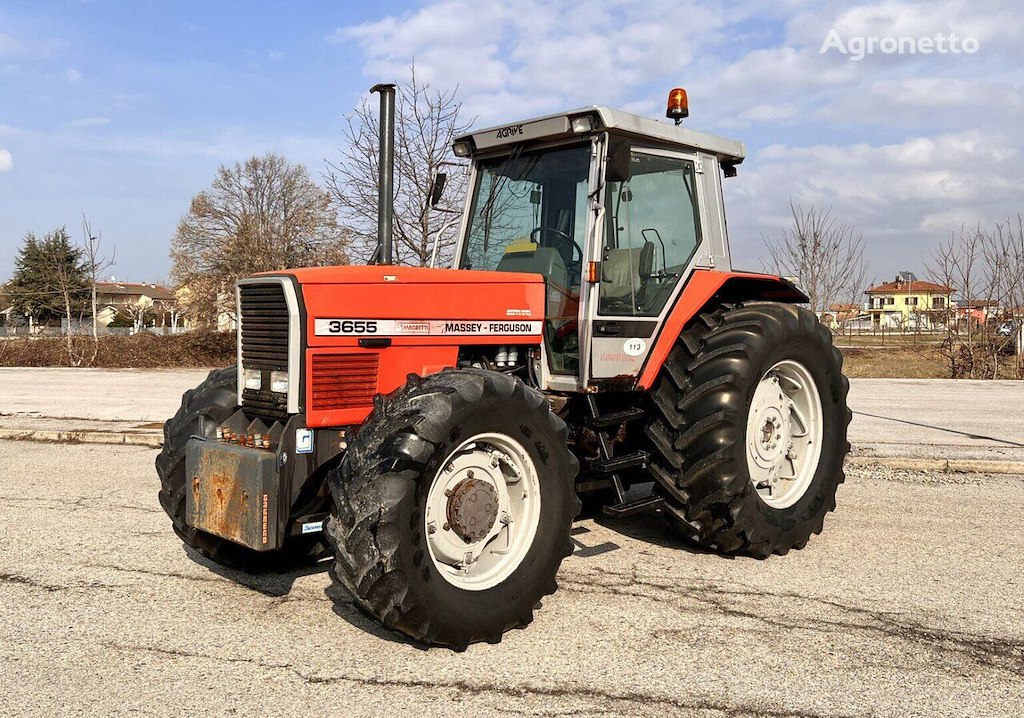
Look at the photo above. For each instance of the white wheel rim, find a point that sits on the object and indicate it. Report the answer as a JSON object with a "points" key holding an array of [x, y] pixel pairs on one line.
{"points": [[473, 544], [784, 434]]}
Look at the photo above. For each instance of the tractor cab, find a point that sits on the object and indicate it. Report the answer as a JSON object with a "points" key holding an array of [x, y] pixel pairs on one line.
{"points": [[614, 210]]}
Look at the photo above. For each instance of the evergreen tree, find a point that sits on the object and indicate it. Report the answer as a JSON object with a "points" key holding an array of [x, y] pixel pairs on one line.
{"points": [[50, 279]]}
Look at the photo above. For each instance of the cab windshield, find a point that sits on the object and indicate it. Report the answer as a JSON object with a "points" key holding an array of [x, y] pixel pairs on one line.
{"points": [[530, 203]]}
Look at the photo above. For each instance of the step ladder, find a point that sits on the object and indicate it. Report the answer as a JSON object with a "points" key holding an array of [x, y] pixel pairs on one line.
{"points": [[608, 465]]}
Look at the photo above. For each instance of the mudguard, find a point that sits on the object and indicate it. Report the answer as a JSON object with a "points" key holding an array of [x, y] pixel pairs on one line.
{"points": [[708, 288]]}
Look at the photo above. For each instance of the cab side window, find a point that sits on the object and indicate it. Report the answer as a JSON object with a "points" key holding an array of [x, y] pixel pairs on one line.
{"points": [[652, 232]]}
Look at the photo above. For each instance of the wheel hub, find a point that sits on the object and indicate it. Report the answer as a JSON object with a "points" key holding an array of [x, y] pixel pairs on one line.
{"points": [[482, 511], [472, 509], [771, 438]]}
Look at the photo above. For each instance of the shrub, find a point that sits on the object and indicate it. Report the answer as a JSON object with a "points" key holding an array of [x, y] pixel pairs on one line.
{"points": [[145, 351]]}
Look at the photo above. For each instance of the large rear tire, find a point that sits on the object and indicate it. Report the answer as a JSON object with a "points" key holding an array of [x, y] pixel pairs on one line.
{"points": [[202, 410], [748, 429], [452, 507]]}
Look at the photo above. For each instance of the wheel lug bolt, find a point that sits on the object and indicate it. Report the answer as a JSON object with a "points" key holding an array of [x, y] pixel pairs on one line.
{"points": [[446, 527]]}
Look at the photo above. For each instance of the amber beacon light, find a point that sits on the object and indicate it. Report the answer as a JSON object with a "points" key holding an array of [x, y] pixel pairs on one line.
{"points": [[677, 105]]}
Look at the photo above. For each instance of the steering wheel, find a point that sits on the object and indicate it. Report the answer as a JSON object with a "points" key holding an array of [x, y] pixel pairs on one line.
{"points": [[576, 252]]}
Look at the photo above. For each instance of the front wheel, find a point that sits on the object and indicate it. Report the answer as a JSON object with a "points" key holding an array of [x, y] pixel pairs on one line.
{"points": [[453, 507], [748, 428]]}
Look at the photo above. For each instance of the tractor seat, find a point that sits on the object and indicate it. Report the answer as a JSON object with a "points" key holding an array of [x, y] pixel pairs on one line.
{"points": [[625, 271], [525, 256]]}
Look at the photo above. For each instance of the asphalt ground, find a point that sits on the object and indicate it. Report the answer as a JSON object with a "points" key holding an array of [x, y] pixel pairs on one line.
{"points": [[908, 604]]}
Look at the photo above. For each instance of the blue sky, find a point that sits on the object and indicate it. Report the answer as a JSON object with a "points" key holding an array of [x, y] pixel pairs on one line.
{"points": [[124, 110]]}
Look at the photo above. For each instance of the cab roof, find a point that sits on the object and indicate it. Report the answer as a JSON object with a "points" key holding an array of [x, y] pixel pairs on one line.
{"points": [[604, 118]]}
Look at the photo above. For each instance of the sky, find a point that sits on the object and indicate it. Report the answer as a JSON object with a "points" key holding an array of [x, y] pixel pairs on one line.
{"points": [[124, 110]]}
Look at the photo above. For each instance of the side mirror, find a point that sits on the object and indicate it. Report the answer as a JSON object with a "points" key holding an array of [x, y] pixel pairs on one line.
{"points": [[437, 188], [618, 167]]}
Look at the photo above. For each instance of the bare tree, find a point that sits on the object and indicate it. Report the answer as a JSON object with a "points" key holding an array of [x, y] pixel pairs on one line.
{"points": [[986, 269], [168, 309], [264, 215], [95, 264], [825, 257], [426, 124], [138, 312], [1004, 260]]}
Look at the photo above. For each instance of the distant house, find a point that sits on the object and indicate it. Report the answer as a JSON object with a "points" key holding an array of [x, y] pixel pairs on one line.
{"points": [[145, 305], [5, 305], [909, 303], [840, 314], [978, 311]]}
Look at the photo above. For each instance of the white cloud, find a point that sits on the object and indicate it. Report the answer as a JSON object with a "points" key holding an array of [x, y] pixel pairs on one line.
{"points": [[533, 55], [89, 122], [72, 75], [906, 147], [6, 163], [904, 197]]}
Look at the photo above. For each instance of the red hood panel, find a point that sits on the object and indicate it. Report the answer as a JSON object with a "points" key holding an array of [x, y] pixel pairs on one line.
{"points": [[373, 274]]}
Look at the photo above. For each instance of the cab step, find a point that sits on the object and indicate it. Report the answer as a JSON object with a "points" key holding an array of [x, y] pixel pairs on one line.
{"points": [[637, 506], [620, 463], [615, 418]]}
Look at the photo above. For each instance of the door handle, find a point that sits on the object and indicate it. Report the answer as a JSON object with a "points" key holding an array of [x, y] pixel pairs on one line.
{"points": [[609, 329]]}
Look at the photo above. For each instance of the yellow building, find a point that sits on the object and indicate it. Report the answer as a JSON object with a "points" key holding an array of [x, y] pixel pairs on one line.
{"points": [[908, 303]]}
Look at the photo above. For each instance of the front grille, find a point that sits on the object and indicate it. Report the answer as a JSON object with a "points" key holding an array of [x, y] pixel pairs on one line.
{"points": [[265, 404], [344, 381], [263, 327]]}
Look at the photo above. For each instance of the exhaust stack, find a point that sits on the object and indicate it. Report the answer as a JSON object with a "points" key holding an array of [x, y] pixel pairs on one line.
{"points": [[386, 172]]}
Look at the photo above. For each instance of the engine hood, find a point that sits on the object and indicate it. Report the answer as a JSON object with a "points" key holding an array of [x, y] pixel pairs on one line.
{"points": [[391, 274]]}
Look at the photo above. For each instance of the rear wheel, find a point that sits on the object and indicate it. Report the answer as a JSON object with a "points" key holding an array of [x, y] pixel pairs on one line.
{"points": [[748, 432], [202, 410], [453, 506]]}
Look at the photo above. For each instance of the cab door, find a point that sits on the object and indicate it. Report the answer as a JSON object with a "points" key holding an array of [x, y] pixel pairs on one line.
{"points": [[652, 231]]}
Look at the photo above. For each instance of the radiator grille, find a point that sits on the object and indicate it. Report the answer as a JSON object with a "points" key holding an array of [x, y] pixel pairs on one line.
{"points": [[344, 381], [263, 324]]}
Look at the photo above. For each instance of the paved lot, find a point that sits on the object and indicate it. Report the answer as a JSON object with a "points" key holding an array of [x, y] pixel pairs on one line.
{"points": [[908, 604], [105, 394]]}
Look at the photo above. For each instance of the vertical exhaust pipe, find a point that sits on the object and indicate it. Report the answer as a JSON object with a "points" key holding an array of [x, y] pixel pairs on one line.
{"points": [[386, 172]]}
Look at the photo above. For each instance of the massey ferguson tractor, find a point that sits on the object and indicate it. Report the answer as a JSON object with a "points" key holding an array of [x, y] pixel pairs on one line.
{"points": [[438, 428]]}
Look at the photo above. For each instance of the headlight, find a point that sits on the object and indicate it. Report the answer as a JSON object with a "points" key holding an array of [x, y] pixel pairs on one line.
{"points": [[279, 382], [252, 379]]}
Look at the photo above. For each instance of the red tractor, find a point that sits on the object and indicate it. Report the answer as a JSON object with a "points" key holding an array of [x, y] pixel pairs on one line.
{"points": [[439, 426]]}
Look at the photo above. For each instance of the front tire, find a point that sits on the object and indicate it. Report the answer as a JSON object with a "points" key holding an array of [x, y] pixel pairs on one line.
{"points": [[453, 507], [748, 429]]}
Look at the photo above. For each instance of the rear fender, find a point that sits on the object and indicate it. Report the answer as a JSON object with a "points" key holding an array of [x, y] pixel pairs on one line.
{"points": [[708, 288]]}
